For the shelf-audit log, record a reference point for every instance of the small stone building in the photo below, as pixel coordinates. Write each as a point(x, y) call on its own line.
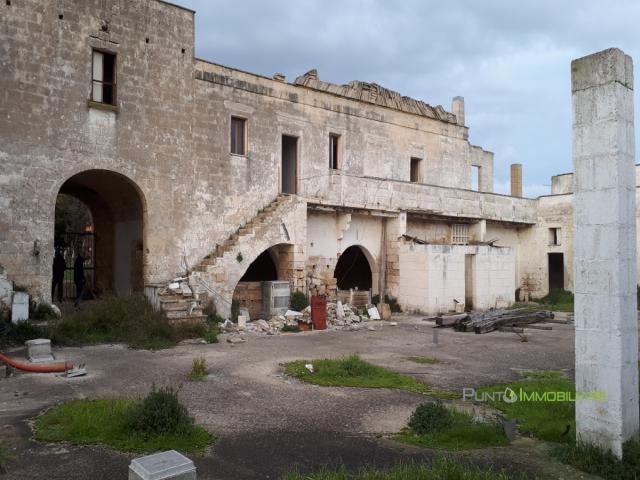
point(193, 169)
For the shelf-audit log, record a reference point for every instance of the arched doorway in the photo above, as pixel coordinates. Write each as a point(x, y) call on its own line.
point(111, 243)
point(353, 270)
point(262, 268)
point(271, 265)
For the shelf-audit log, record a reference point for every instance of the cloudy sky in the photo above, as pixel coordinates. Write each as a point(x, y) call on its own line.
point(509, 59)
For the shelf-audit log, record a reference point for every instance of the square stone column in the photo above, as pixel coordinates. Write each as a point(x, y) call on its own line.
point(604, 220)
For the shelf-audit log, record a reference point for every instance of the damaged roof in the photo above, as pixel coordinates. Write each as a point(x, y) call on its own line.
point(376, 95)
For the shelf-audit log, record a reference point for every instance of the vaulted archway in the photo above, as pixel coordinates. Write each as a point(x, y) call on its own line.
point(112, 244)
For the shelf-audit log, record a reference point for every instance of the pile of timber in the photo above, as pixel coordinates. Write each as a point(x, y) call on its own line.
point(498, 319)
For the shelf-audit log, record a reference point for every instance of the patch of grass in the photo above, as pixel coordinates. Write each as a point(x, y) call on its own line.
point(552, 421)
point(198, 370)
point(430, 418)
point(557, 300)
point(592, 459)
point(130, 320)
point(442, 468)
point(352, 371)
point(211, 335)
point(433, 425)
point(17, 334)
point(107, 422)
point(424, 360)
point(159, 413)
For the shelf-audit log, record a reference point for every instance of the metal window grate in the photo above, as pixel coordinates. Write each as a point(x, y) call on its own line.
point(460, 234)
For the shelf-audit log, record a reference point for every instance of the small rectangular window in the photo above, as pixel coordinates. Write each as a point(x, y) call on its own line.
point(103, 77)
point(415, 175)
point(554, 236)
point(475, 178)
point(334, 151)
point(238, 135)
point(459, 234)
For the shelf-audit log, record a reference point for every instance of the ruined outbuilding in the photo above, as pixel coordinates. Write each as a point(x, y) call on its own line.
point(229, 179)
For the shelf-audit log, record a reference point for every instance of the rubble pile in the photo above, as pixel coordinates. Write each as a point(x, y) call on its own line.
point(339, 317)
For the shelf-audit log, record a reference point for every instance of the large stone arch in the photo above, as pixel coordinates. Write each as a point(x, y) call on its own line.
point(118, 207)
point(270, 265)
point(373, 265)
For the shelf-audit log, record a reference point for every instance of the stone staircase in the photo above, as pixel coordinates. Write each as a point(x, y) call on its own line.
point(219, 272)
point(254, 227)
point(214, 278)
point(181, 305)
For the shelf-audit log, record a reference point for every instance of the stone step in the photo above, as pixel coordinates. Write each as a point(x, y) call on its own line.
point(174, 297)
point(177, 306)
point(192, 320)
point(183, 313)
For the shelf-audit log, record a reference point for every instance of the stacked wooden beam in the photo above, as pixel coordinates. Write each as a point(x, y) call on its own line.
point(498, 319)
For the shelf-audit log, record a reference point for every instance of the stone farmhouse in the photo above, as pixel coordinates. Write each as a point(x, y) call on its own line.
point(228, 179)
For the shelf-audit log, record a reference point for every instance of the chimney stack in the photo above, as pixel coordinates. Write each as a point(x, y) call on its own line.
point(457, 105)
point(516, 180)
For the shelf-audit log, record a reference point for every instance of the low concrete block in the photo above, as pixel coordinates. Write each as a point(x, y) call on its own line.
point(169, 465)
point(39, 350)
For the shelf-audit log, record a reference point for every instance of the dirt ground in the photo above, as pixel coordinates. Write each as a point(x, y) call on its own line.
point(267, 423)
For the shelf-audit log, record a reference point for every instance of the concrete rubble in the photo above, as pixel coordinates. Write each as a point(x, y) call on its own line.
point(339, 317)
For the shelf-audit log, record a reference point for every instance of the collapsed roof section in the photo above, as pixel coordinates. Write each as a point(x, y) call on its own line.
point(376, 95)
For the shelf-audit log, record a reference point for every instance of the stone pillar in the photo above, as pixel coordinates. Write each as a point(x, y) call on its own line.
point(604, 225)
point(516, 180)
point(457, 107)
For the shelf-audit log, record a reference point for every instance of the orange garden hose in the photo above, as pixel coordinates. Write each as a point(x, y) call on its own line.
point(28, 367)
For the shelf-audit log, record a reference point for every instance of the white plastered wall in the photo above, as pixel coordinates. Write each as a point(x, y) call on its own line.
point(433, 276)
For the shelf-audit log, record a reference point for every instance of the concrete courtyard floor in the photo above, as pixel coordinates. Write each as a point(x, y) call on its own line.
point(267, 423)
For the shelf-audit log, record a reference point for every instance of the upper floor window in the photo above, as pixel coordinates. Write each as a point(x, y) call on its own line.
point(415, 174)
point(554, 236)
point(238, 136)
point(334, 151)
point(103, 77)
point(475, 178)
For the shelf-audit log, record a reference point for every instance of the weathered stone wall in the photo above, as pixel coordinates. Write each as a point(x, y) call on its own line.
point(249, 296)
point(330, 234)
point(378, 193)
point(48, 133)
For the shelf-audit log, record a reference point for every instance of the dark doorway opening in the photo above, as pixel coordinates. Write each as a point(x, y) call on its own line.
point(111, 244)
point(262, 269)
point(73, 238)
point(353, 270)
point(556, 271)
point(469, 280)
point(289, 164)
